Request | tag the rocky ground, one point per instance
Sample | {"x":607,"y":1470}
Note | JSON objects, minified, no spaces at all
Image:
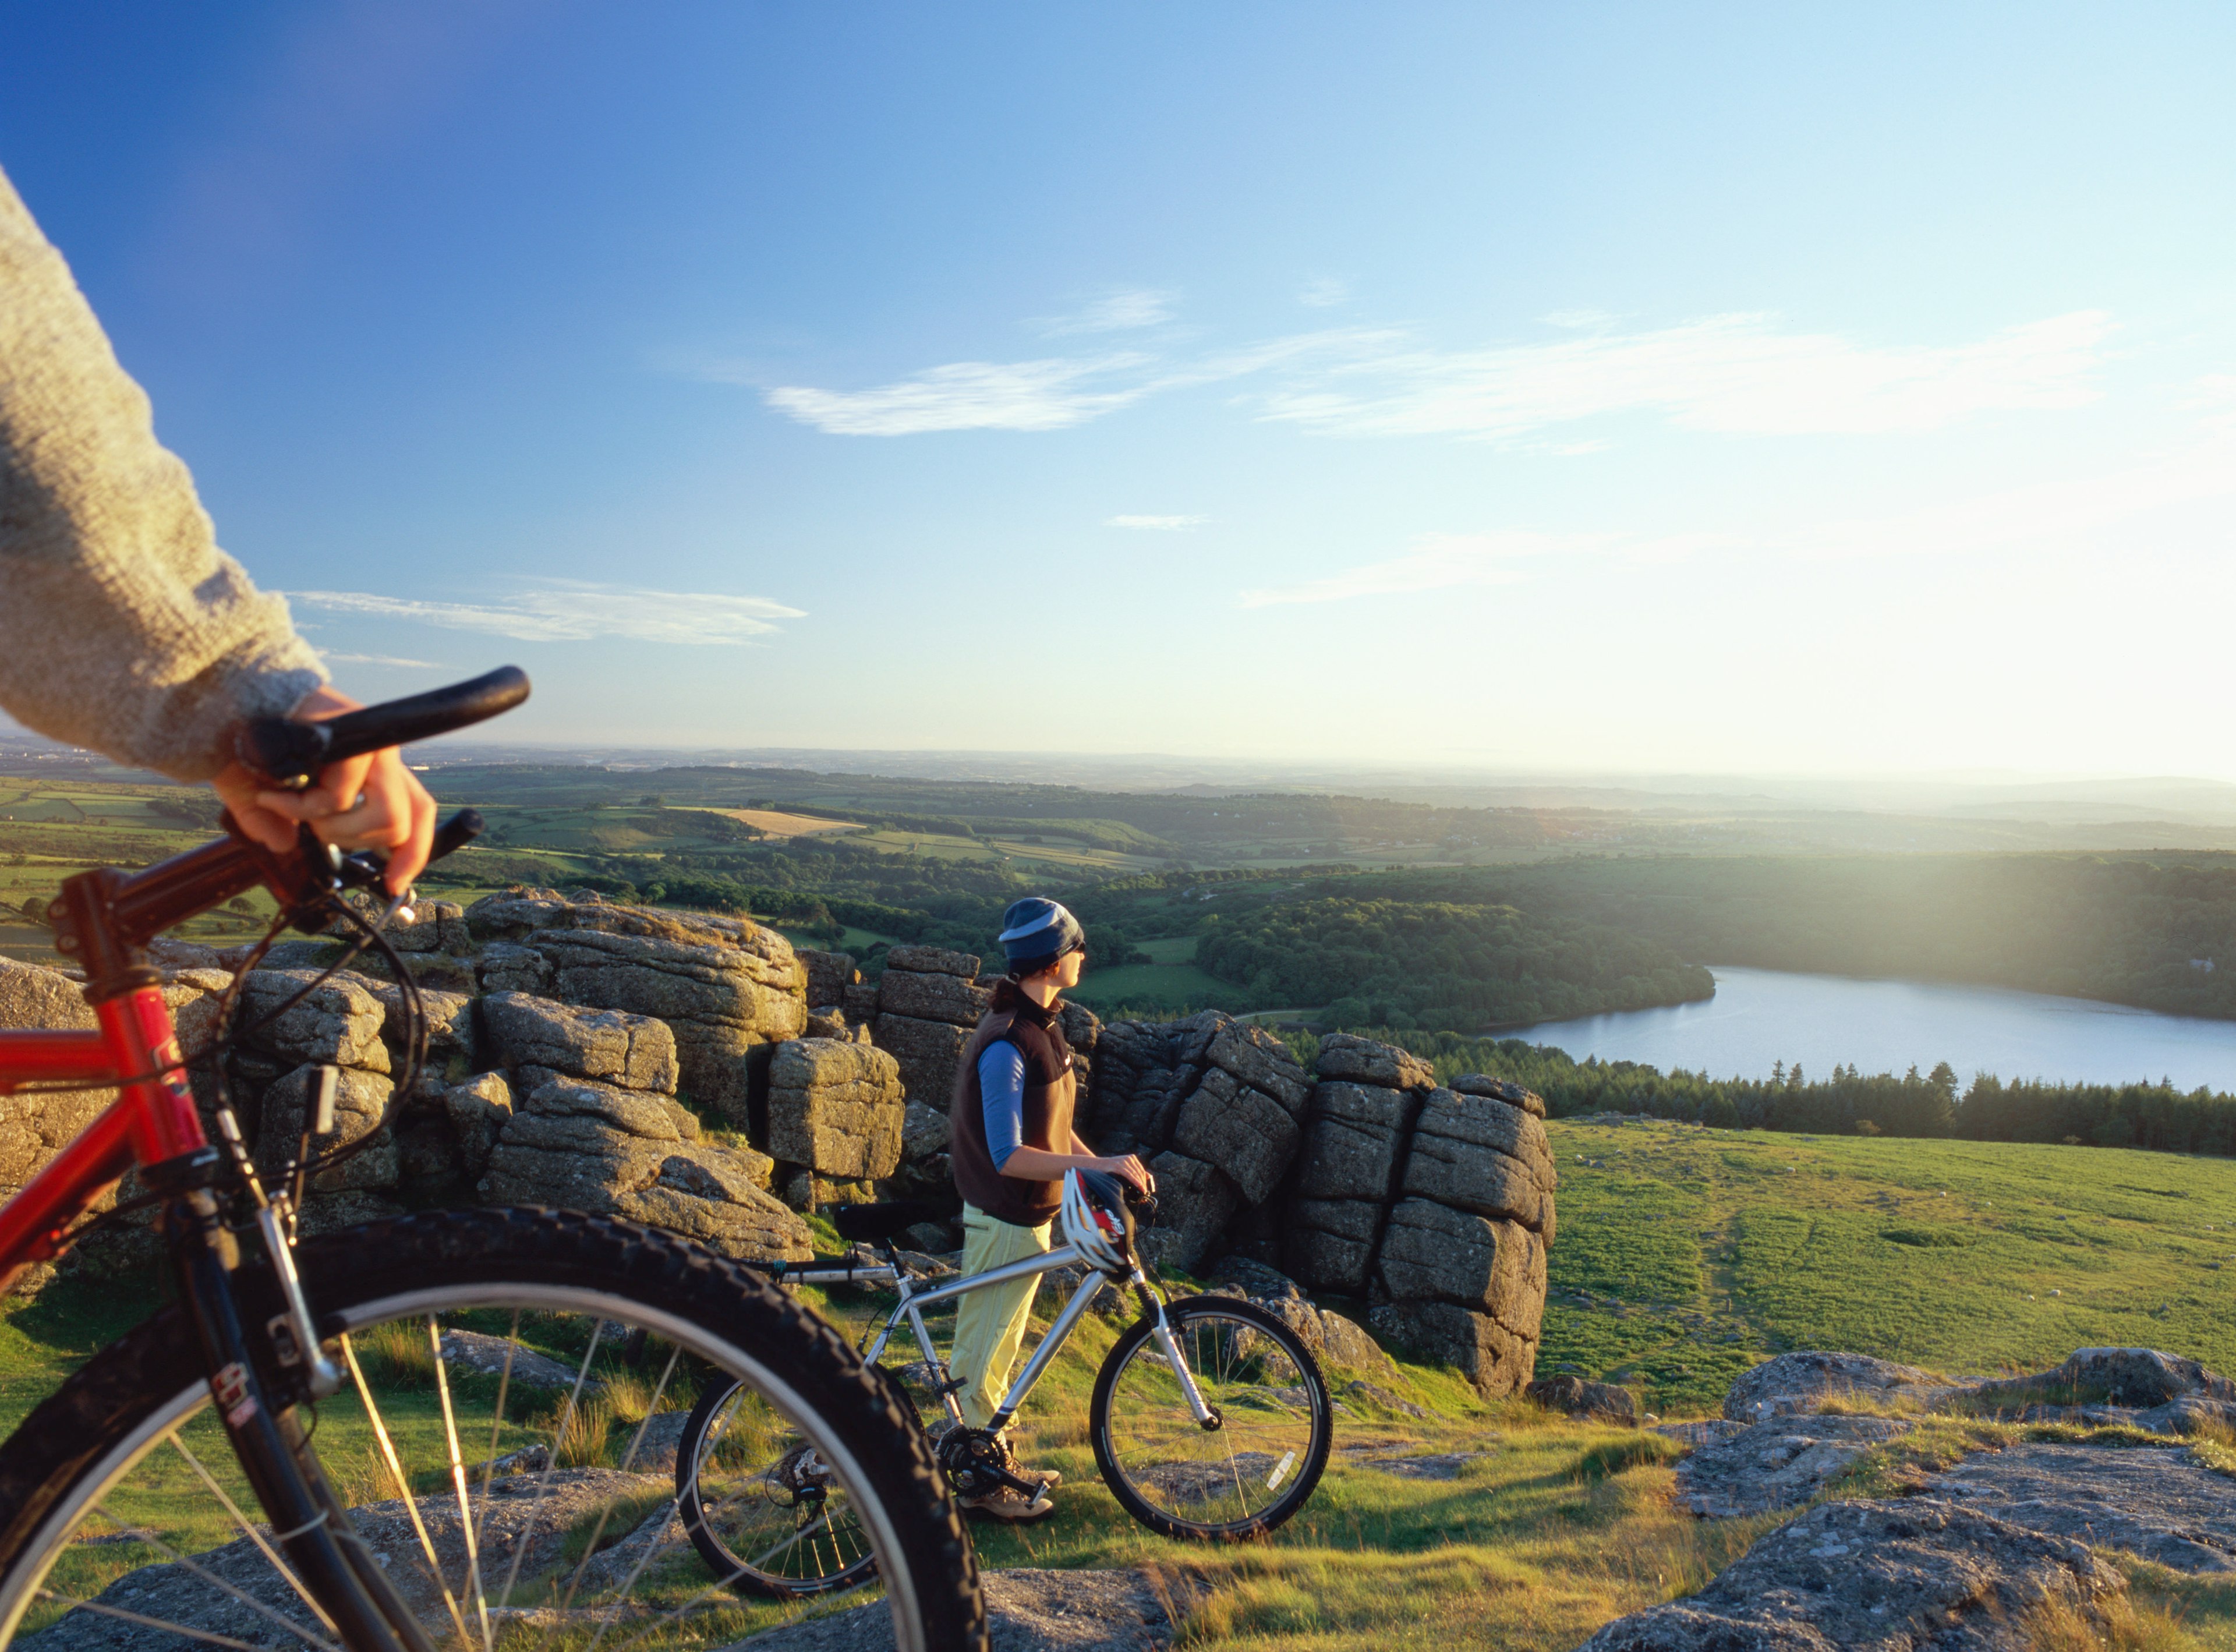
{"x":1981,"y":1553}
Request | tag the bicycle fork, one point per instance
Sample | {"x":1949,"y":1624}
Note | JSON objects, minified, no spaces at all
{"x":338,"y":1569}
{"x":1153,"y":1308}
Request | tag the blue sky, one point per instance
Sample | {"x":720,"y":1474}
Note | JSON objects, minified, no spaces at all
{"x":1704,"y":388}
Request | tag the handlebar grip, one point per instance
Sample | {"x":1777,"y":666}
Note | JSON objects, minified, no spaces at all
{"x":292,"y":754}
{"x":456,"y":832}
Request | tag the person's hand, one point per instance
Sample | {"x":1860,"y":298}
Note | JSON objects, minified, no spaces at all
{"x":1132,"y":1170}
{"x":371,"y":802}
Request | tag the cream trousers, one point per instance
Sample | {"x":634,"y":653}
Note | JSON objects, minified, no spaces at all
{"x":989,"y":1324}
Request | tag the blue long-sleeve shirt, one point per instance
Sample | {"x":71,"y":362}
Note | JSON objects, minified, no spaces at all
{"x":1002,"y":1086}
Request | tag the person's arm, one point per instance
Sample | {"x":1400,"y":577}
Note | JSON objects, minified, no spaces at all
{"x":122,"y":626}
{"x":1002,"y":1091}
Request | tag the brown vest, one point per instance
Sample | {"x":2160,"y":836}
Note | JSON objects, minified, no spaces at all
{"x":1049,"y":1087}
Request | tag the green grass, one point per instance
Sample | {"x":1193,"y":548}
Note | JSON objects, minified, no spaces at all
{"x":1686,"y":1255}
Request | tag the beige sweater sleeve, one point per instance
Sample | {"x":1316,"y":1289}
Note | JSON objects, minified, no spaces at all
{"x":122,"y":626}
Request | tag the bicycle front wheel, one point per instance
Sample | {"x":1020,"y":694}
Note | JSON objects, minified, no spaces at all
{"x":517,"y":1381}
{"x":1266,"y":1449}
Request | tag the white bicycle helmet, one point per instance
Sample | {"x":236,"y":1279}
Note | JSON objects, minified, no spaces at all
{"x":1096,"y":1219}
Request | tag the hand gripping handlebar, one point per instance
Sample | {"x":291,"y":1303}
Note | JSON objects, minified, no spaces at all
{"x":292,"y":754}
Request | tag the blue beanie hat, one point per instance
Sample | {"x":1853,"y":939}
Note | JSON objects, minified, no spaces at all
{"x":1037,"y":930}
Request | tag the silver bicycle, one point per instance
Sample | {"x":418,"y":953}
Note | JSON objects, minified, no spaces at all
{"x":1210,"y":1418}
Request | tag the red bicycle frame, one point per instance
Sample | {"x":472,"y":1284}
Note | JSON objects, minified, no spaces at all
{"x":154,"y":1120}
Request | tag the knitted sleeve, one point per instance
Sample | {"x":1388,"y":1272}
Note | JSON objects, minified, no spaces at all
{"x":122,"y":626}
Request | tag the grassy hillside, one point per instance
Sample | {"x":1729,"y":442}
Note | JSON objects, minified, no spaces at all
{"x":1685,"y":1255}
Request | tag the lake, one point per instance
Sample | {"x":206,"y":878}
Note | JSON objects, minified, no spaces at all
{"x":1762,"y":1017}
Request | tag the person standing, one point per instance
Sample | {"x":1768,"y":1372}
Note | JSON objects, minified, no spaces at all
{"x":1012,"y":1141}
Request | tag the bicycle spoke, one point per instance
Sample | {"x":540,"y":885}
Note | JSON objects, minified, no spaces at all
{"x":458,"y":1482}
{"x":590,"y":1549}
{"x":218,"y":1583}
{"x":543,"y":1484}
{"x":207,"y":1637}
{"x":496,"y":1424}
{"x":250,"y":1531}
{"x":403,"y":1486}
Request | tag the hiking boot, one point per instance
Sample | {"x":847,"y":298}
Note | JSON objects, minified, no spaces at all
{"x":1049,"y":1479}
{"x":1004,"y":1503}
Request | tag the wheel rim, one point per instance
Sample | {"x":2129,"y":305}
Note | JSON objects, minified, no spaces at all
{"x":767,"y":1502}
{"x":582,"y":1548}
{"x":1235,"y":1479}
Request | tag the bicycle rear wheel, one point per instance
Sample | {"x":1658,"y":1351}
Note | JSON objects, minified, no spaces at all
{"x":761,"y":1504}
{"x":1274,"y":1423}
{"x":498,"y":1448}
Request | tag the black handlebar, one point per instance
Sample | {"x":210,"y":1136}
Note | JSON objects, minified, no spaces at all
{"x":292,"y":754}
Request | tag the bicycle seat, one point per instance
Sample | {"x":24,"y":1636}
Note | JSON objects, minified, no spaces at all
{"x":870,"y":1223}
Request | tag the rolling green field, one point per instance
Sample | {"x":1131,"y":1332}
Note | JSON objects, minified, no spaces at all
{"x":1685,"y":1255}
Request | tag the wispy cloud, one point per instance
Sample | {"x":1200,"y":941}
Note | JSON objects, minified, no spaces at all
{"x":1734,"y":374}
{"x":1166,"y":525}
{"x":1731,"y":374}
{"x":1324,"y":293}
{"x":973,"y":396}
{"x":1114,"y":312}
{"x":1436,"y":561}
{"x":336,"y":657}
{"x":1050,"y":394}
{"x":577,"y":613}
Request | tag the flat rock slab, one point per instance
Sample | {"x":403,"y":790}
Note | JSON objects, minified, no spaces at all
{"x":1776,"y":1465}
{"x":2162,"y":1504}
{"x":1439,"y":1466}
{"x":1805,"y":1381}
{"x":1713,"y":1431}
{"x":1029,"y":1610}
{"x":1902,"y":1575}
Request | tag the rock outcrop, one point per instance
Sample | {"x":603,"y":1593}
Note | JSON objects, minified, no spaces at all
{"x":836,"y":1108}
{"x":2164,"y":1505}
{"x":1435,"y":1202}
{"x":727,"y":988}
{"x":1793,"y":1384}
{"x":1777,"y":1464}
{"x":1913,"y":1573}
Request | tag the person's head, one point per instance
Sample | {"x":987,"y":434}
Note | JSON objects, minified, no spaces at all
{"x":1043,"y":942}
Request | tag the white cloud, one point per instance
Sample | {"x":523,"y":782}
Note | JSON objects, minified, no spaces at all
{"x":334,"y":657}
{"x":1438,"y":561}
{"x":577,"y":613}
{"x":1167,"y":524}
{"x":1050,"y":394}
{"x":1324,"y":294}
{"x":1114,"y":312}
{"x":1736,"y":374}
{"x":970,"y":396}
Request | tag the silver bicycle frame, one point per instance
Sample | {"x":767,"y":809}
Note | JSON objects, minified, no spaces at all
{"x":915,"y":1301}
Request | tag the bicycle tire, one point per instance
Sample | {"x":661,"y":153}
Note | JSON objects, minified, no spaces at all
{"x":143,"y":1390}
{"x":1234,"y":1349}
{"x":757,"y":1500}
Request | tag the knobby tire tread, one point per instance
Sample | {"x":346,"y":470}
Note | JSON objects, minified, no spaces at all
{"x":71,"y":1432}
